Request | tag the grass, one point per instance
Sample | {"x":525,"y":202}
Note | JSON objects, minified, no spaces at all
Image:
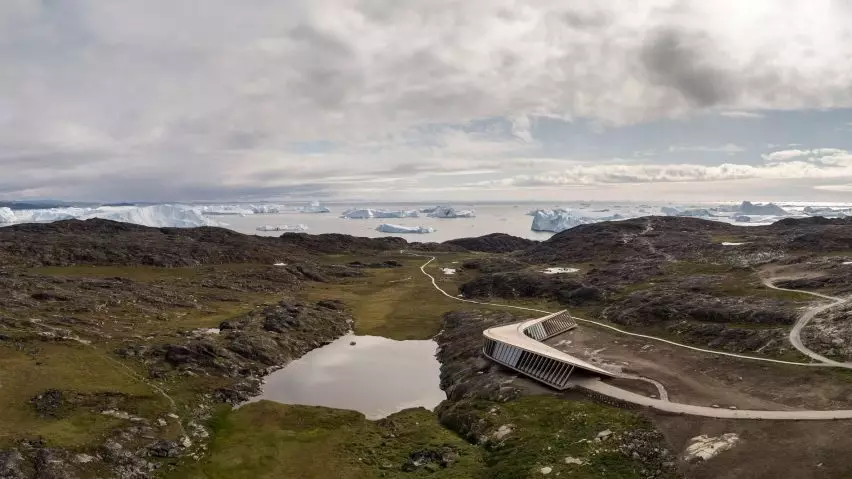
{"x":29,"y":365}
{"x":268,"y":440}
{"x":397,"y":303}
{"x":70,"y":368}
{"x":548,"y":429}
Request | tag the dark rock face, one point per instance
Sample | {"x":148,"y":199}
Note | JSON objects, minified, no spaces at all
{"x":465,"y":373}
{"x":431,"y":459}
{"x":248,"y":345}
{"x":522,"y":284}
{"x":11,"y":464}
{"x":732,"y":339}
{"x":164,"y":449}
{"x":377,"y":265}
{"x":500,"y":264}
{"x":51,"y":464}
{"x":493,"y":243}
{"x":48,"y":403}
{"x":103,"y":242}
{"x":339,"y":243}
{"x":645,"y":308}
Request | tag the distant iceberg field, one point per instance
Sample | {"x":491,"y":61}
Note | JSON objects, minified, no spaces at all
{"x":158,"y":216}
{"x":389,"y":228}
{"x":448,"y":212}
{"x":367,"y":213}
{"x":286,"y":228}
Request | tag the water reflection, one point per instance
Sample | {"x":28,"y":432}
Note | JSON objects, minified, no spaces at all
{"x":376,"y":376}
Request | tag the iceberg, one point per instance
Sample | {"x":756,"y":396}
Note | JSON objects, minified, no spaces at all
{"x":286,"y":228}
{"x":749,"y":208}
{"x":224,"y":210}
{"x":157,"y":216}
{"x":697,"y":212}
{"x":49,"y":214}
{"x":556,"y":220}
{"x":7,"y":215}
{"x":825,"y":212}
{"x":314,"y":207}
{"x":389,"y":228}
{"x":265,"y":209}
{"x":448,"y":212}
{"x":366,"y":213}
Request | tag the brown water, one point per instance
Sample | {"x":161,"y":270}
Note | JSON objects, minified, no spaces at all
{"x":377,"y":376}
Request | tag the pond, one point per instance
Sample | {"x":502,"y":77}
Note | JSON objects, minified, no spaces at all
{"x":376,"y":376}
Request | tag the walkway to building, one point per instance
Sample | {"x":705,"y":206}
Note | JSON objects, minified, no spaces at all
{"x":518,"y":346}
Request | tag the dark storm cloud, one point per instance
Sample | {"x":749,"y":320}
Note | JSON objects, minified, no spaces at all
{"x":683,"y":61}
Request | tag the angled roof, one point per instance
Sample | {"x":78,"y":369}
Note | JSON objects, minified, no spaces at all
{"x":514,"y":334}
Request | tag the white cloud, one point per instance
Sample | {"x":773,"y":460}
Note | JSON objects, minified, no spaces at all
{"x":156,"y":99}
{"x":677,"y":173}
{"x":728,"y":148}
{"x":785,"y":155}
{"x":743,"y":114}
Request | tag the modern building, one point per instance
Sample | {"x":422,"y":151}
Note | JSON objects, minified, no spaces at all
{"x":519,"y":346}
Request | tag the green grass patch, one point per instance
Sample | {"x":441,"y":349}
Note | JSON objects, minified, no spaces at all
{"x":545,"y":430}
{"x":269,"y":440}
{"x":397,"y":303}
{"x":69,"y":368}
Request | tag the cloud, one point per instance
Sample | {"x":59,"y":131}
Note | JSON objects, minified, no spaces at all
{"x":785,"y":155}
{"x":823,"y":156}
{"x":838,"y":165}
{"x":172,"y":100}
{"x":743,"y":114}
{"x":728,"y":148}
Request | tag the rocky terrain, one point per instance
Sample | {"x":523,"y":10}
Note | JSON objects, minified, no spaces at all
{"x":493,"y":243}
{"x":166,"y":326}
{"x":104,"y":242}
{"x":519,"y":423}
{"x":830,"y":333}
{"x":121,"y":344}
{"x":697,"y":280}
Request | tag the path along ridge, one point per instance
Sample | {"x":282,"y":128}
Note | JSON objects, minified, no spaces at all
{"x":600,"y":387}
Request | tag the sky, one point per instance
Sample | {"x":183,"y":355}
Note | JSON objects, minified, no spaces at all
{"x":467,"y":100}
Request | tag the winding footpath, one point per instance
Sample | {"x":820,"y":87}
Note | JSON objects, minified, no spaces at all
{"x":595,"y":385}
{"x":804,"y":319}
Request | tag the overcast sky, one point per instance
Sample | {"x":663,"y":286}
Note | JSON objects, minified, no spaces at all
{"x":419,"y":100}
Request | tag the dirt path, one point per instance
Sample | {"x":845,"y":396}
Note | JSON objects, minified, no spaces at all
{"x":597,"y":386}
{"x":804,"y":319}
{"x":613,"y":328}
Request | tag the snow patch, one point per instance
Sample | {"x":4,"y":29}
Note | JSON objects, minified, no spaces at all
{"x":389,"y":228}
{"x":448,"y":271}
{"x":704,"y":447}
{"x":728,"y":243}
{"x":559,"y":270}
